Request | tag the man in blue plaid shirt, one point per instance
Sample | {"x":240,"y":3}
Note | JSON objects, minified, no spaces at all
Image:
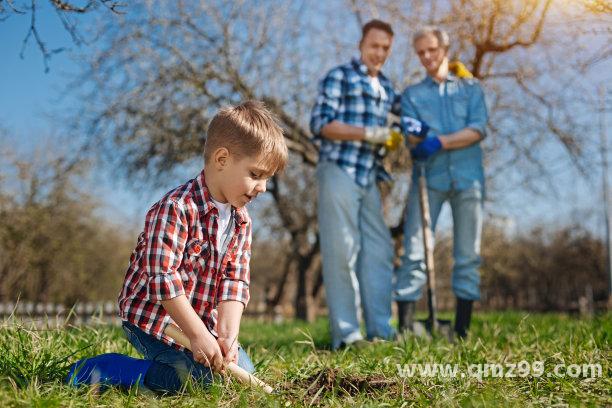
{"x":349,"y":124}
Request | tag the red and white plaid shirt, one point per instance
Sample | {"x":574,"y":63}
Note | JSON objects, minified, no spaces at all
{"x":177,"y":254}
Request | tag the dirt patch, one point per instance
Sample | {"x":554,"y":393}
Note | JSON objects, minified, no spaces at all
{"x":332,"y":381}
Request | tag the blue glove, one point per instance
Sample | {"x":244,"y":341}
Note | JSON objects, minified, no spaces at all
{"x":414,"y":127}
{"x":426,"y":148}
{"x":108,"y":369}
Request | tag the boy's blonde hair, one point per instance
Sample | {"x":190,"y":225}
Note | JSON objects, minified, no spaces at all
{"x":248,"y":129}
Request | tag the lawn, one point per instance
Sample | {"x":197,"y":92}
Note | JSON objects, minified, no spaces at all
{"x":522,"y":352}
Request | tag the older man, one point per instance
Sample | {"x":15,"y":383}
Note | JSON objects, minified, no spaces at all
{"x":454,"y":117}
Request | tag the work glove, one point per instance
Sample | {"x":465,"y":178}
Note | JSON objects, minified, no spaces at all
{"x":395,"y":139}
{"x":426,"y":148}
{"x":457,"y":68}
{"x":377,"y":134}
{"x":414,"y":127}
{"x":109,"y":369}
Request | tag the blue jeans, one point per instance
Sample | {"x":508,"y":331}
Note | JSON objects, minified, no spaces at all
{"x":357,"y":254}
{"x":467,"y":208}
{"x":182,"y":361}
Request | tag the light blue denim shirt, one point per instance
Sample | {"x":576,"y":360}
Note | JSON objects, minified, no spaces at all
{"x":452,"y":105}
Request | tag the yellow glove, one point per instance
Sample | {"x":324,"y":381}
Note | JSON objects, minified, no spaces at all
{"x":395,"y":139}
{"x":457,"y":68}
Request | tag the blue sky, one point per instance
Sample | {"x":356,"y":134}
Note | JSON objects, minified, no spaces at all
{"x":31,"y":98}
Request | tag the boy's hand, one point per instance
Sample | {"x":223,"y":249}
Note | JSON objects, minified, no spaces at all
{"x":206,"y":351}
{"x":229,"y":349}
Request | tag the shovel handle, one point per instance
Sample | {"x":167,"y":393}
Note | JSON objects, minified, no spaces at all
{"x":428,"y":244}
{"x":237,"y":372}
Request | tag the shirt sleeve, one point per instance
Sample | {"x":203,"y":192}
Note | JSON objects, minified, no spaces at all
{"x":477,"y":110}
{"x":166,"y":238}
{"x":407,"y":107}
{"x":328,"y":101}
{"x":236,"y":277}
{"x":408,"y":111}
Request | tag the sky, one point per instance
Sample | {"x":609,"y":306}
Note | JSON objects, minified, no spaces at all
{"x":30,"y":99}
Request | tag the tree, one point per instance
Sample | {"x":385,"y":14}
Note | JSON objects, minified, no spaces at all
{"x":65,"y":11}
{"x":166,"y":68}
{"x":161,"y":121}
{"x":53,"y":248}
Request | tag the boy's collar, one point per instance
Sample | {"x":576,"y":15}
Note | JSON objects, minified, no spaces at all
{"x":205,"y":203}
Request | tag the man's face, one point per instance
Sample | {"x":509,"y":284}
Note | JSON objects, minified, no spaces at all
{"x":375,"y":49}
{"x":430,"y":53}
{"x":243,"y":180}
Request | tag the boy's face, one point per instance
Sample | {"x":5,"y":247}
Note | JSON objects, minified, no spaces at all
{"x":241,"y":179}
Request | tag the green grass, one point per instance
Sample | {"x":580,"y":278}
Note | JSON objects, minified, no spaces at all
{"x":294,"y":358}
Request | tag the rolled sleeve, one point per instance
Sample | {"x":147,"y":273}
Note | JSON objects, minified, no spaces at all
{"x":166,"y":286}
{"x":328,"y":101}
{"x":167,"y":235}
{"x":477,"y":112}
{"x":235,"y":282}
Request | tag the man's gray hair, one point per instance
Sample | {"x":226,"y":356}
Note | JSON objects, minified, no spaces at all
{"x":440,"y":34}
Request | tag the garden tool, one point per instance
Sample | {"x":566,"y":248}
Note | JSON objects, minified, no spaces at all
{"x":432,"y":323}
{"x":237,"y":372}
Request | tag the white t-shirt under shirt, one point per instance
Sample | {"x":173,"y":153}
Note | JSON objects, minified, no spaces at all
{"x":378,"y":88}
{"x":225,"y":214}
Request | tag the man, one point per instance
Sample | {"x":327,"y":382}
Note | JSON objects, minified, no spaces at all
{"x":454,"y":116}
{"x":349,"y":123}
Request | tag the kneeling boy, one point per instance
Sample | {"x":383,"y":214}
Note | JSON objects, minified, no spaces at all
{"x":191,"y":264}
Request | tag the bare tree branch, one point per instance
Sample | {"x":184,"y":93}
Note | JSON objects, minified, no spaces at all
{"x":491,"y":45}
{"x":62,"y":9}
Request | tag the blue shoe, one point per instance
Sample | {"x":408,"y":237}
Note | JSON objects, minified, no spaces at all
{"x":109,"y":369}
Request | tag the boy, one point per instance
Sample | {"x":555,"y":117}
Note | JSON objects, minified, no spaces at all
{"x":191,"y":264}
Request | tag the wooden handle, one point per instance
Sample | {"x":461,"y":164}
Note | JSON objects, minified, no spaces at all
{"x":428,"y":245}
{"x":237,"y":372}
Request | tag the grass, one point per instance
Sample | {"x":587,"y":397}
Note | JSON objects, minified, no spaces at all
{"x":294,"y":358}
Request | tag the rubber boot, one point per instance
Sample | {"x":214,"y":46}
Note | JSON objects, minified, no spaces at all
{"x":123,"y":371}
{"x":462,"y":317}
{"x":405,"y":311}
{"x":109,"y":369}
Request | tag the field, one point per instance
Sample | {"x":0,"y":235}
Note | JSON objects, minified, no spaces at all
{"x":532,"y":360}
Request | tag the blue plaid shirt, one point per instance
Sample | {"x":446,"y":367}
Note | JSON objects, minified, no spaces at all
{"x":346,"y":95}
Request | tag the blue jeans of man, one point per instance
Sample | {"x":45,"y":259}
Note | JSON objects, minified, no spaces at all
{"x":467,"y":210}
{"x":182,"y":361}
{"x":357,"y":254}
